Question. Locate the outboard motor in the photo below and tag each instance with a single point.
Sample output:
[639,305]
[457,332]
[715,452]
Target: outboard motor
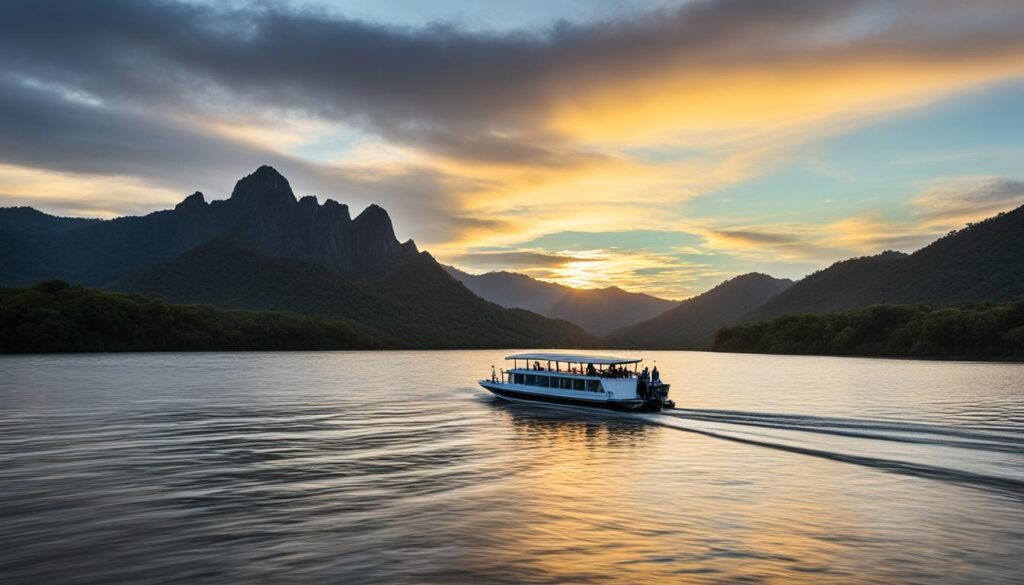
[654,395]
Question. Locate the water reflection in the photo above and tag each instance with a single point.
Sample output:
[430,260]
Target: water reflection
[563,427]
[221,468]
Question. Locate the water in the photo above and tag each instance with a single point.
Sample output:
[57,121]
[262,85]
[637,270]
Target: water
[395,467]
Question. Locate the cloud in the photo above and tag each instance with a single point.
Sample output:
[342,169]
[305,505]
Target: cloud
[516,259]
[480,139]
[754,237]
[942,205]
[661,273]
[964,199]
[73,156]
[511,96]
[69,194]
[43,129]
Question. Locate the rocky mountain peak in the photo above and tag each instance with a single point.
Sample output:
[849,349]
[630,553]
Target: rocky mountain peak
[337,210]
[193,201]
[263,188]
[375,220]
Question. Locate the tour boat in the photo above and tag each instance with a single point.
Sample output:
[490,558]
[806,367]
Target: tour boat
[579,380]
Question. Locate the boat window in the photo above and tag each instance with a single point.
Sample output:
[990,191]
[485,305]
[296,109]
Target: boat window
[542,381]
[578,384]
[594,385]
[531,380]
[518,378]
[567,383]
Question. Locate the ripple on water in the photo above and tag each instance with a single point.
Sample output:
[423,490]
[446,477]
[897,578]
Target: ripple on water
[392,467]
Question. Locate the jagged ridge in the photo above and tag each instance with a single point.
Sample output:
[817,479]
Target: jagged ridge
[262,214]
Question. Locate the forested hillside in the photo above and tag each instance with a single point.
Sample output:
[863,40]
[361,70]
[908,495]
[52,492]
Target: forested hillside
[57,317]
[417,305]
[981,262]
[971,331]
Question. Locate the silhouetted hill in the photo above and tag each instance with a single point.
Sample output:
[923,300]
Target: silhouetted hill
[23,233]
[604,310]
[982,262]
[262,214]
[57,317]
[26,221]
[599,311]
[840,286]
[511,290]
[415,305]
[692,324]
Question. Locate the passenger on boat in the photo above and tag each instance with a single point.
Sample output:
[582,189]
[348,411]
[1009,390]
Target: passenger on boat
[645,375]
[591,370]
[536,366]
[655,376]
[494,375]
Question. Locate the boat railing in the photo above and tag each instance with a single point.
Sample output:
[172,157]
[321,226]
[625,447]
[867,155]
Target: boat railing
[576,372]
[505,376]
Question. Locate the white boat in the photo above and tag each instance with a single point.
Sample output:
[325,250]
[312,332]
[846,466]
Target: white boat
[579,380]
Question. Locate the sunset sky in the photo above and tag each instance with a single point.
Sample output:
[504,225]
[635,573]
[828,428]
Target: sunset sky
[660,146]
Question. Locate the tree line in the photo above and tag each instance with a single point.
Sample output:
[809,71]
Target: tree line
[966,331]
[56,317]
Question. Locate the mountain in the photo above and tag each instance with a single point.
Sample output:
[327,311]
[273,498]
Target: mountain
[835,288]
[599,311]
[263,249]
[26,221]
[417,305]
[692,324]
[262,214]
[22,233]
[603,310]
[982,262]
[512,290]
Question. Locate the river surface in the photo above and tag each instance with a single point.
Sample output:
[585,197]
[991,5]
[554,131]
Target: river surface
[395,467]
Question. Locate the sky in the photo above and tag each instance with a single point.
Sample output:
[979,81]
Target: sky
[661,146]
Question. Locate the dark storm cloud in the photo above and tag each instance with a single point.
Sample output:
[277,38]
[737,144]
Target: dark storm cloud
[466,94]
[40,128]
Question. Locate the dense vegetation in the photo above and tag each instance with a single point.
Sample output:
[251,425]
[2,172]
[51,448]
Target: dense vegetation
[971,331]
[56,317]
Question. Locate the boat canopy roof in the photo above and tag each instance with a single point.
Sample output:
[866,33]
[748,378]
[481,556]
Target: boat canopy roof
[605,360]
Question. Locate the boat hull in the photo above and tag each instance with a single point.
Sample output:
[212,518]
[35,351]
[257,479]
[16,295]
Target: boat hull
[515,395]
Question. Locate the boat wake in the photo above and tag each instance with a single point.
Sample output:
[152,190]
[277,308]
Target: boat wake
[982,458]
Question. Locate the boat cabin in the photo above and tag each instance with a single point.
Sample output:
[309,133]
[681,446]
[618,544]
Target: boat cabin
[577,379]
